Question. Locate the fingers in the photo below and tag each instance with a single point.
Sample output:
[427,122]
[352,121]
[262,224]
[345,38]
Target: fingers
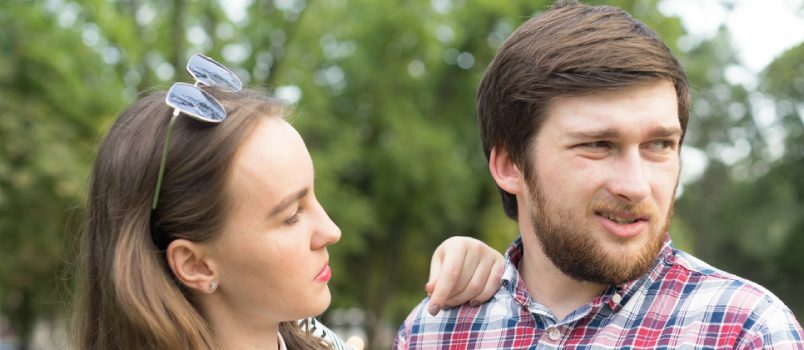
[492,283]
[445,272]
[479,277]
[435,270]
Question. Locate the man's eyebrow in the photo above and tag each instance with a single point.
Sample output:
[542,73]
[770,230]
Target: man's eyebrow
[611,133]
[287,201]
[663,131]
[608,133]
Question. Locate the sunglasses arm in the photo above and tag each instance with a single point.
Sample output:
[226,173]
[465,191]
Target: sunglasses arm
[165,148]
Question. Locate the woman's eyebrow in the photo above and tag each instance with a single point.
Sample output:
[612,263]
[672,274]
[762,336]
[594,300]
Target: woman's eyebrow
[288,201]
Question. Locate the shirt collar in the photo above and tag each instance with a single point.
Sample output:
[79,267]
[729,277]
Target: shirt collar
[511,280]
[282,345]
[664,260]
[513,283]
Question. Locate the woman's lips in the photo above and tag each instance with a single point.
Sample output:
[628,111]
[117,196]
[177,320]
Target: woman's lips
[324,275]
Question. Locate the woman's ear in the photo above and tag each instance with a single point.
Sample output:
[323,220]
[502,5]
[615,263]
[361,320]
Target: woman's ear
[505,173]
[191,266]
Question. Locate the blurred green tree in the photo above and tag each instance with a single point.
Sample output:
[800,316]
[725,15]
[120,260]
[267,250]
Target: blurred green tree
[53,89]
[384,94]
[748,212]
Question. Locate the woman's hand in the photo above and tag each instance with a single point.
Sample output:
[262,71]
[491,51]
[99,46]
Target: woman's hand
[463,269]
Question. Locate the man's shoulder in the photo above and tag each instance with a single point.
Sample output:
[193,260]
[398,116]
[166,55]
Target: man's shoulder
[703,278]
[420,326]
[712,292]
[446,318]
[483,325]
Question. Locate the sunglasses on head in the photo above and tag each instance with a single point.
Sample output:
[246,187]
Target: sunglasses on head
[196,103]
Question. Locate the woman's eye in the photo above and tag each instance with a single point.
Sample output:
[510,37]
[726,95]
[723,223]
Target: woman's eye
[293,219]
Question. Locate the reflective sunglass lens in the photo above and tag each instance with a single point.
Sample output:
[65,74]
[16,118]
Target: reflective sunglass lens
[211,73]
[195,102]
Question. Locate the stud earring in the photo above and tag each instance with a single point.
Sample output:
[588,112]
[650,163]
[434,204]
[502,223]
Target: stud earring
[213,286]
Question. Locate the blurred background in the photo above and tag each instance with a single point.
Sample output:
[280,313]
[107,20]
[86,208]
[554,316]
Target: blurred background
[384,95]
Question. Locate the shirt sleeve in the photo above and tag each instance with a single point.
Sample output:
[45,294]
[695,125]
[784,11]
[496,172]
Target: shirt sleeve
[401,339]
[409,328]
[772,326]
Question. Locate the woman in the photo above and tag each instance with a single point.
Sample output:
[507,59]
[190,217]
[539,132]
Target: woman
[206,233]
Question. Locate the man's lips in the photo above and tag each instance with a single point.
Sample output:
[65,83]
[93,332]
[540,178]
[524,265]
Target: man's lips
[324,275]
[622,224]
[622,217]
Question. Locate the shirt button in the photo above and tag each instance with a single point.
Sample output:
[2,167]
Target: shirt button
[616,298]
[553,333]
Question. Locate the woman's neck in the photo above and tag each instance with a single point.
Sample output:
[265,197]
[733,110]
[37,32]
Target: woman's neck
[233,331]
[237,338]
[267,341]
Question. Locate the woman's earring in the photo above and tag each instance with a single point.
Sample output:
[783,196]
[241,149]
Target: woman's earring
[213,286]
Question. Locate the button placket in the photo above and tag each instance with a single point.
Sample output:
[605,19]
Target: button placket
[616,298]
[553,333]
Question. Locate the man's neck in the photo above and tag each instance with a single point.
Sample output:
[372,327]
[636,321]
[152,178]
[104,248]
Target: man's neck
[549,286]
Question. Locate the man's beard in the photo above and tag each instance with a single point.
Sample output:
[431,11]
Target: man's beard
[579,252]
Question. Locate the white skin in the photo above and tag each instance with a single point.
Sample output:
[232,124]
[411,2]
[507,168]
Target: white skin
[594,155]
[270,262]
[463,270]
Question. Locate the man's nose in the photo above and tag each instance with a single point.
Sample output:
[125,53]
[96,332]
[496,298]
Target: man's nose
[629,178]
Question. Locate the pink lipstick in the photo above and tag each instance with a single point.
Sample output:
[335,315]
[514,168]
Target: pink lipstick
[324,275]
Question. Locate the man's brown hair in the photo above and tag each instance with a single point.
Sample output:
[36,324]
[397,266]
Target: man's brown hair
[569,50]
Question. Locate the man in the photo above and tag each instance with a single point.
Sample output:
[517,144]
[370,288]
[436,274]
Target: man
[582,113]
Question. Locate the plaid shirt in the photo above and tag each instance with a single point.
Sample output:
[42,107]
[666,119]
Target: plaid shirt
[681,303]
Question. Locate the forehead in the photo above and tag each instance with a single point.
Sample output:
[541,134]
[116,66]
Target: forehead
[272,163]
[630,109]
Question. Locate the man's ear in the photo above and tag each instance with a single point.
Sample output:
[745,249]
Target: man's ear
[505,173]
[191,266]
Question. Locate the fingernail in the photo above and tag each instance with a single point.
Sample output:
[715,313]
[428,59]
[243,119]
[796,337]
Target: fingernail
[474,303]
[433,309]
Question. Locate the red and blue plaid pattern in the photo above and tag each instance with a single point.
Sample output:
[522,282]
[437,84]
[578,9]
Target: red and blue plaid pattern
[681,303]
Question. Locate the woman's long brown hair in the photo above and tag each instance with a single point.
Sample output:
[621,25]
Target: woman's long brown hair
[127,297]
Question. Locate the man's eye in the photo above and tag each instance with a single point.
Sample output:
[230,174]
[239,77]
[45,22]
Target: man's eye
[597,145]
[661,145]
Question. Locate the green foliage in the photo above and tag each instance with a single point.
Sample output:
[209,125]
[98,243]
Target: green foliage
[52,96]
[387,110]
[752,225]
